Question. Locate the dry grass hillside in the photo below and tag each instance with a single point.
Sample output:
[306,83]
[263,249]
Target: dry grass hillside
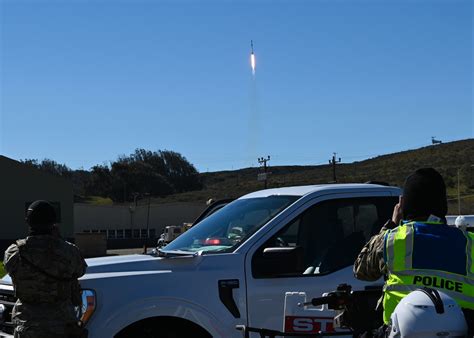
[392,168]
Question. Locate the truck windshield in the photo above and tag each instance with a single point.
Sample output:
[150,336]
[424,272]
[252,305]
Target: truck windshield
[229,226]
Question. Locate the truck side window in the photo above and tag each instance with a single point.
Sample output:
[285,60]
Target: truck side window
[330,234]
[287,237]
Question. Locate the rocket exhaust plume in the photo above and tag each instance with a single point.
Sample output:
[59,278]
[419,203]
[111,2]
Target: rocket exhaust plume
[252,63]
[252,58]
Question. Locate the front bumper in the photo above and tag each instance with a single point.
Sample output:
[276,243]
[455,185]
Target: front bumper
[7,302]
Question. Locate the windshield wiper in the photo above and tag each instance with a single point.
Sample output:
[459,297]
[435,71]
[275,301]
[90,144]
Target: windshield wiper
[175,253]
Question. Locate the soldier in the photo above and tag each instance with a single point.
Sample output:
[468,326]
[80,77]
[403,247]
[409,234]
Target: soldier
[44,269]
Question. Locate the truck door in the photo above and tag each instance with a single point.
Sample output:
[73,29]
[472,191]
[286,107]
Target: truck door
[312,252]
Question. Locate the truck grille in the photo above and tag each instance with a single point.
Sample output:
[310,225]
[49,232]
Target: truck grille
[7,299]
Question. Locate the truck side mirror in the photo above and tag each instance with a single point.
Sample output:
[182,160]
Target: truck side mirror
[278,262]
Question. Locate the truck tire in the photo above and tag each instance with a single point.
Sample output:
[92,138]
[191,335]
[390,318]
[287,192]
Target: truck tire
[163,327]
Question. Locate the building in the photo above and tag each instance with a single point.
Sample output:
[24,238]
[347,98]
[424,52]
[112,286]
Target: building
[21,185]
[129,226]
[124,226]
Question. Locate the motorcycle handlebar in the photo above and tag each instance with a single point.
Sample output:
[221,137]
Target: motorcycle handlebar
[330,299]
[334,301]
[321,300]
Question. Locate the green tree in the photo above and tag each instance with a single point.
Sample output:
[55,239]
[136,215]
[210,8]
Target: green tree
[99,182]
[50,166]
[181,173]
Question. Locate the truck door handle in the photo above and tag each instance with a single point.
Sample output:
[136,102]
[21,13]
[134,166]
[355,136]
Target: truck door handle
[225,295]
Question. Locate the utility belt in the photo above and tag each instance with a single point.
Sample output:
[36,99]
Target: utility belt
[28,297]
[68,292]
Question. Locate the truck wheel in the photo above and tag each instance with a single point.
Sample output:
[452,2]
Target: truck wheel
[163,327]
[161,333]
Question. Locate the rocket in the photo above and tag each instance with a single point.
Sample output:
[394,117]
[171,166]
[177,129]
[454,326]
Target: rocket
[252,58]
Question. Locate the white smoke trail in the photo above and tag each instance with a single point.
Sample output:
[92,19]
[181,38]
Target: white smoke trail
[254,119]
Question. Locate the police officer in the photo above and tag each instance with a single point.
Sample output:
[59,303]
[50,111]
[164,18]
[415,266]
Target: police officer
[44,269]
[417,249]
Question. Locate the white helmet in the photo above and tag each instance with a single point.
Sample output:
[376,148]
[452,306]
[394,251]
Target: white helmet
[427,313]
[462,222]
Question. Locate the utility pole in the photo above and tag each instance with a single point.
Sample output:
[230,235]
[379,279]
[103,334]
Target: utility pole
[124,192]
[333,161]
[145,247]
[263,176]
[133,210]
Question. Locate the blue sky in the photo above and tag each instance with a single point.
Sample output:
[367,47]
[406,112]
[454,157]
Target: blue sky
[85,81]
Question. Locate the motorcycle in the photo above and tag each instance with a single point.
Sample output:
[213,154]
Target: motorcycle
[424,311]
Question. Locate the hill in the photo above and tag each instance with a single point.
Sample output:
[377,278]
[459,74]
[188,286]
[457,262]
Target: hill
[447,158]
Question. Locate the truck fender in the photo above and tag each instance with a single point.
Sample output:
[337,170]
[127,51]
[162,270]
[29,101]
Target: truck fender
[158,307]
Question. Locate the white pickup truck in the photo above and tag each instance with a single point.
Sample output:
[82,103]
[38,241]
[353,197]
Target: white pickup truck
[234,266]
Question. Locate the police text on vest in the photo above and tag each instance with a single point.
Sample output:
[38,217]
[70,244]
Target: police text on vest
[438,282]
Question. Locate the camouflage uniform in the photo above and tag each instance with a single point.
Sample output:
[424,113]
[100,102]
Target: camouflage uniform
[44,271]
[370,264]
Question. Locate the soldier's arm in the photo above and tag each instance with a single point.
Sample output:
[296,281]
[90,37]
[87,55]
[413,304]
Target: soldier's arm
[370,264]
[81,264]
[11,259]
[77,261]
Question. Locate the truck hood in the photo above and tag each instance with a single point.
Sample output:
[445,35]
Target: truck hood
[128,264]
[97,263]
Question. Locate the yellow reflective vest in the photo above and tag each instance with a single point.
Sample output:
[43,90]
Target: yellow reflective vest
[428,254]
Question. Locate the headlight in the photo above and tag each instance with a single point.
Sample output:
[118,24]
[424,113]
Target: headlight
[3,312]
[84,312]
